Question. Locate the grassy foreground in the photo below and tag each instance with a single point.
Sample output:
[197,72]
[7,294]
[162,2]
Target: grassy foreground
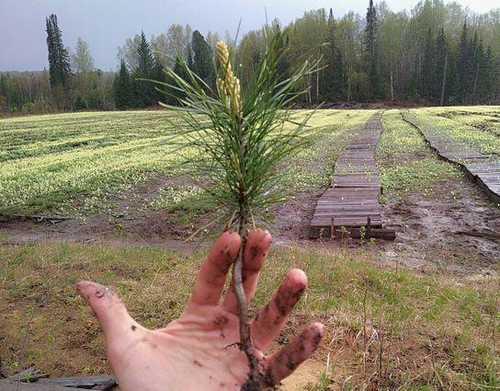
[387,329]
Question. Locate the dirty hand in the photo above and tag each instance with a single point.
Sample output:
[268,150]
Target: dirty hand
[199,350]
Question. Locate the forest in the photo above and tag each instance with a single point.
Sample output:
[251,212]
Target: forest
[357,245]
[435,54]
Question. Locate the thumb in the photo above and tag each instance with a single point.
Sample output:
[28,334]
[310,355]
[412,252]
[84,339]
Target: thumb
[109,309]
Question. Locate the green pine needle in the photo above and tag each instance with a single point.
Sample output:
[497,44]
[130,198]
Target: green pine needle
[239,155]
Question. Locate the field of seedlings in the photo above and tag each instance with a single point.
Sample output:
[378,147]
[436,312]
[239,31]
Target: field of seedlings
[105,196]
[478,126]
[72,163]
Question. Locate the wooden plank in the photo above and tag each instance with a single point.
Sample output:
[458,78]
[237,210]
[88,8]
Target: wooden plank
[490,177]
[487,167]
[360,184]
[352,192]
[482,168]
[87,382]
[346,208]
[350,206]
[348,200]
[344,223]
[342,208]
[351,198]
[351,216]
[347,184]
[7,385]
[33,379]
[356,186]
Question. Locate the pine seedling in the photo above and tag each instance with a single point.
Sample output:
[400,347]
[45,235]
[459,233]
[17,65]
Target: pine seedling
[239,139]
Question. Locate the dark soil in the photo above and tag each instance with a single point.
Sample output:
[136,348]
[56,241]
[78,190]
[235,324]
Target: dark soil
[129,222]
[432,232]
[436,232]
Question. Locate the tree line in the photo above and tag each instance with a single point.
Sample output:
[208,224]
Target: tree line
[71,83]
[435,54]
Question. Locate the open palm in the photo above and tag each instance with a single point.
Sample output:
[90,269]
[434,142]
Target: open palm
[200,349]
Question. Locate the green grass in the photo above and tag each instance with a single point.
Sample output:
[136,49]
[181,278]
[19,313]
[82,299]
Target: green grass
[435,330]
[74,163]
[461,130]
[312,168]
[50,162]
[438,333]
[324,384]
[406,162]
[173,197]
[488,121]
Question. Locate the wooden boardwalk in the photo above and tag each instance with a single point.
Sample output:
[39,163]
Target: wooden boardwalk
[352,200]
[483,169]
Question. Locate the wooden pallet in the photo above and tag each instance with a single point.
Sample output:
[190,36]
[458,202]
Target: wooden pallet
[482,168]
[351,204]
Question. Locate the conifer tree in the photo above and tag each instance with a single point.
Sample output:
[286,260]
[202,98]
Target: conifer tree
[441,75]
[202,59]
[144,92]
[488,78]
[59,60]
[477,57]
[371,53]
[122,88]
[189,57]
[240,140]
[463,66]
[334,75]
[145,57]
[428,67]
[158,74]
[282,40]
[4,104]
[174,95]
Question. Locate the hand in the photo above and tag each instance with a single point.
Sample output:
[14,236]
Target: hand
[199,351]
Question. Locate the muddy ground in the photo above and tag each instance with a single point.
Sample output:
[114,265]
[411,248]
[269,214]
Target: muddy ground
[454,230]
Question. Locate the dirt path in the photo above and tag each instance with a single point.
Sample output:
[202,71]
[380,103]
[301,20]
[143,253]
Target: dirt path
[433,232]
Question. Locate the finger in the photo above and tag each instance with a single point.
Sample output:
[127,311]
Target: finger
[256,251]
[283,363]
[109,309]
[269,321]
[212,275]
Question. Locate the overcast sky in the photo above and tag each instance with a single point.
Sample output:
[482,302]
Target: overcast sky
[105,24]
